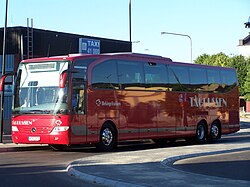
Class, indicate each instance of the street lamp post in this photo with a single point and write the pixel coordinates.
(182, 35)
(130, 37)
(3, 71)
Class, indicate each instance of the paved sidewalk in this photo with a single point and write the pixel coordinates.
(155, 167)
(152, 167)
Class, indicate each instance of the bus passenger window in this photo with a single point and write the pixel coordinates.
(228, 79)
(131, 75)
(178, 78)
(198, 79)
(213, 78)
(104, 76)
(155, 76)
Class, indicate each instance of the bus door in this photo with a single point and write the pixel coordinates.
(78, 106)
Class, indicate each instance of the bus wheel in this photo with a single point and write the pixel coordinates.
(201, 133)
(107, 138)
(214, 132)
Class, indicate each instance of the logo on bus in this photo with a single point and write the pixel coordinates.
(207, 102)
(58, 122)
(99, 102)
(24, 122)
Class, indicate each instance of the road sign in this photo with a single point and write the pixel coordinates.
(89, 46)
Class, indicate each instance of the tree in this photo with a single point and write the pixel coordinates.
(240, 63)
(202, 59)
(219, 59)
(247, 85)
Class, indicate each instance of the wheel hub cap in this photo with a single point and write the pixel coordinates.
(215, 131)
(107, 137)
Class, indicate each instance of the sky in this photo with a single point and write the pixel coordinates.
(213, 25)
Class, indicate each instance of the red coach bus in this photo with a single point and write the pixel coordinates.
(104, 99)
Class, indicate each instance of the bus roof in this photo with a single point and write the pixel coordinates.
(126, 54)
(75, 56)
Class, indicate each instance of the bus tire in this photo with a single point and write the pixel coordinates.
(201, 133)
(215, 132)
(108, 138)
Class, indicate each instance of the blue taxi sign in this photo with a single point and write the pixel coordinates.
(89, 46)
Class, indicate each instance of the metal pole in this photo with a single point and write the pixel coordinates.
(191, 50)
(3, 71)
(21, 46)
(130, 37)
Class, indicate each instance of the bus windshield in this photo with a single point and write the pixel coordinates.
(37, 89)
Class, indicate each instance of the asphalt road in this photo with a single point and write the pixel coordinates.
(40, 168)
(233, 165)
(46, 167)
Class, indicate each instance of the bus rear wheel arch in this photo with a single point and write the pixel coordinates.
(108, 137)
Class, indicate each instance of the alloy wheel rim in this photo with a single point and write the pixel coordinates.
(214, 131)
(107, 137)
(201, 132)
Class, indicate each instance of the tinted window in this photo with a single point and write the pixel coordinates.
(104, 75)
(131, 74)
(81, 66)
(213, 77)
(79, 76)
(228, 79)
(178, 78)
(155, 76)
(198, 79)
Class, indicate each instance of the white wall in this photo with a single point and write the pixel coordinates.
(244, 50)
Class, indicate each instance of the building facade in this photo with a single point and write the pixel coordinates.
(244, 46)
(27, 42)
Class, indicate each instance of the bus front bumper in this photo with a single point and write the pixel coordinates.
(21, 138)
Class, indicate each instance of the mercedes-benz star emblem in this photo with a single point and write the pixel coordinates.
(33, 129)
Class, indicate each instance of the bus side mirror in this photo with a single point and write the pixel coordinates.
(62, 79)
(2, 80)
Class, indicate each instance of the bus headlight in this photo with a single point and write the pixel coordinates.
(14, 129)
(58, 129)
